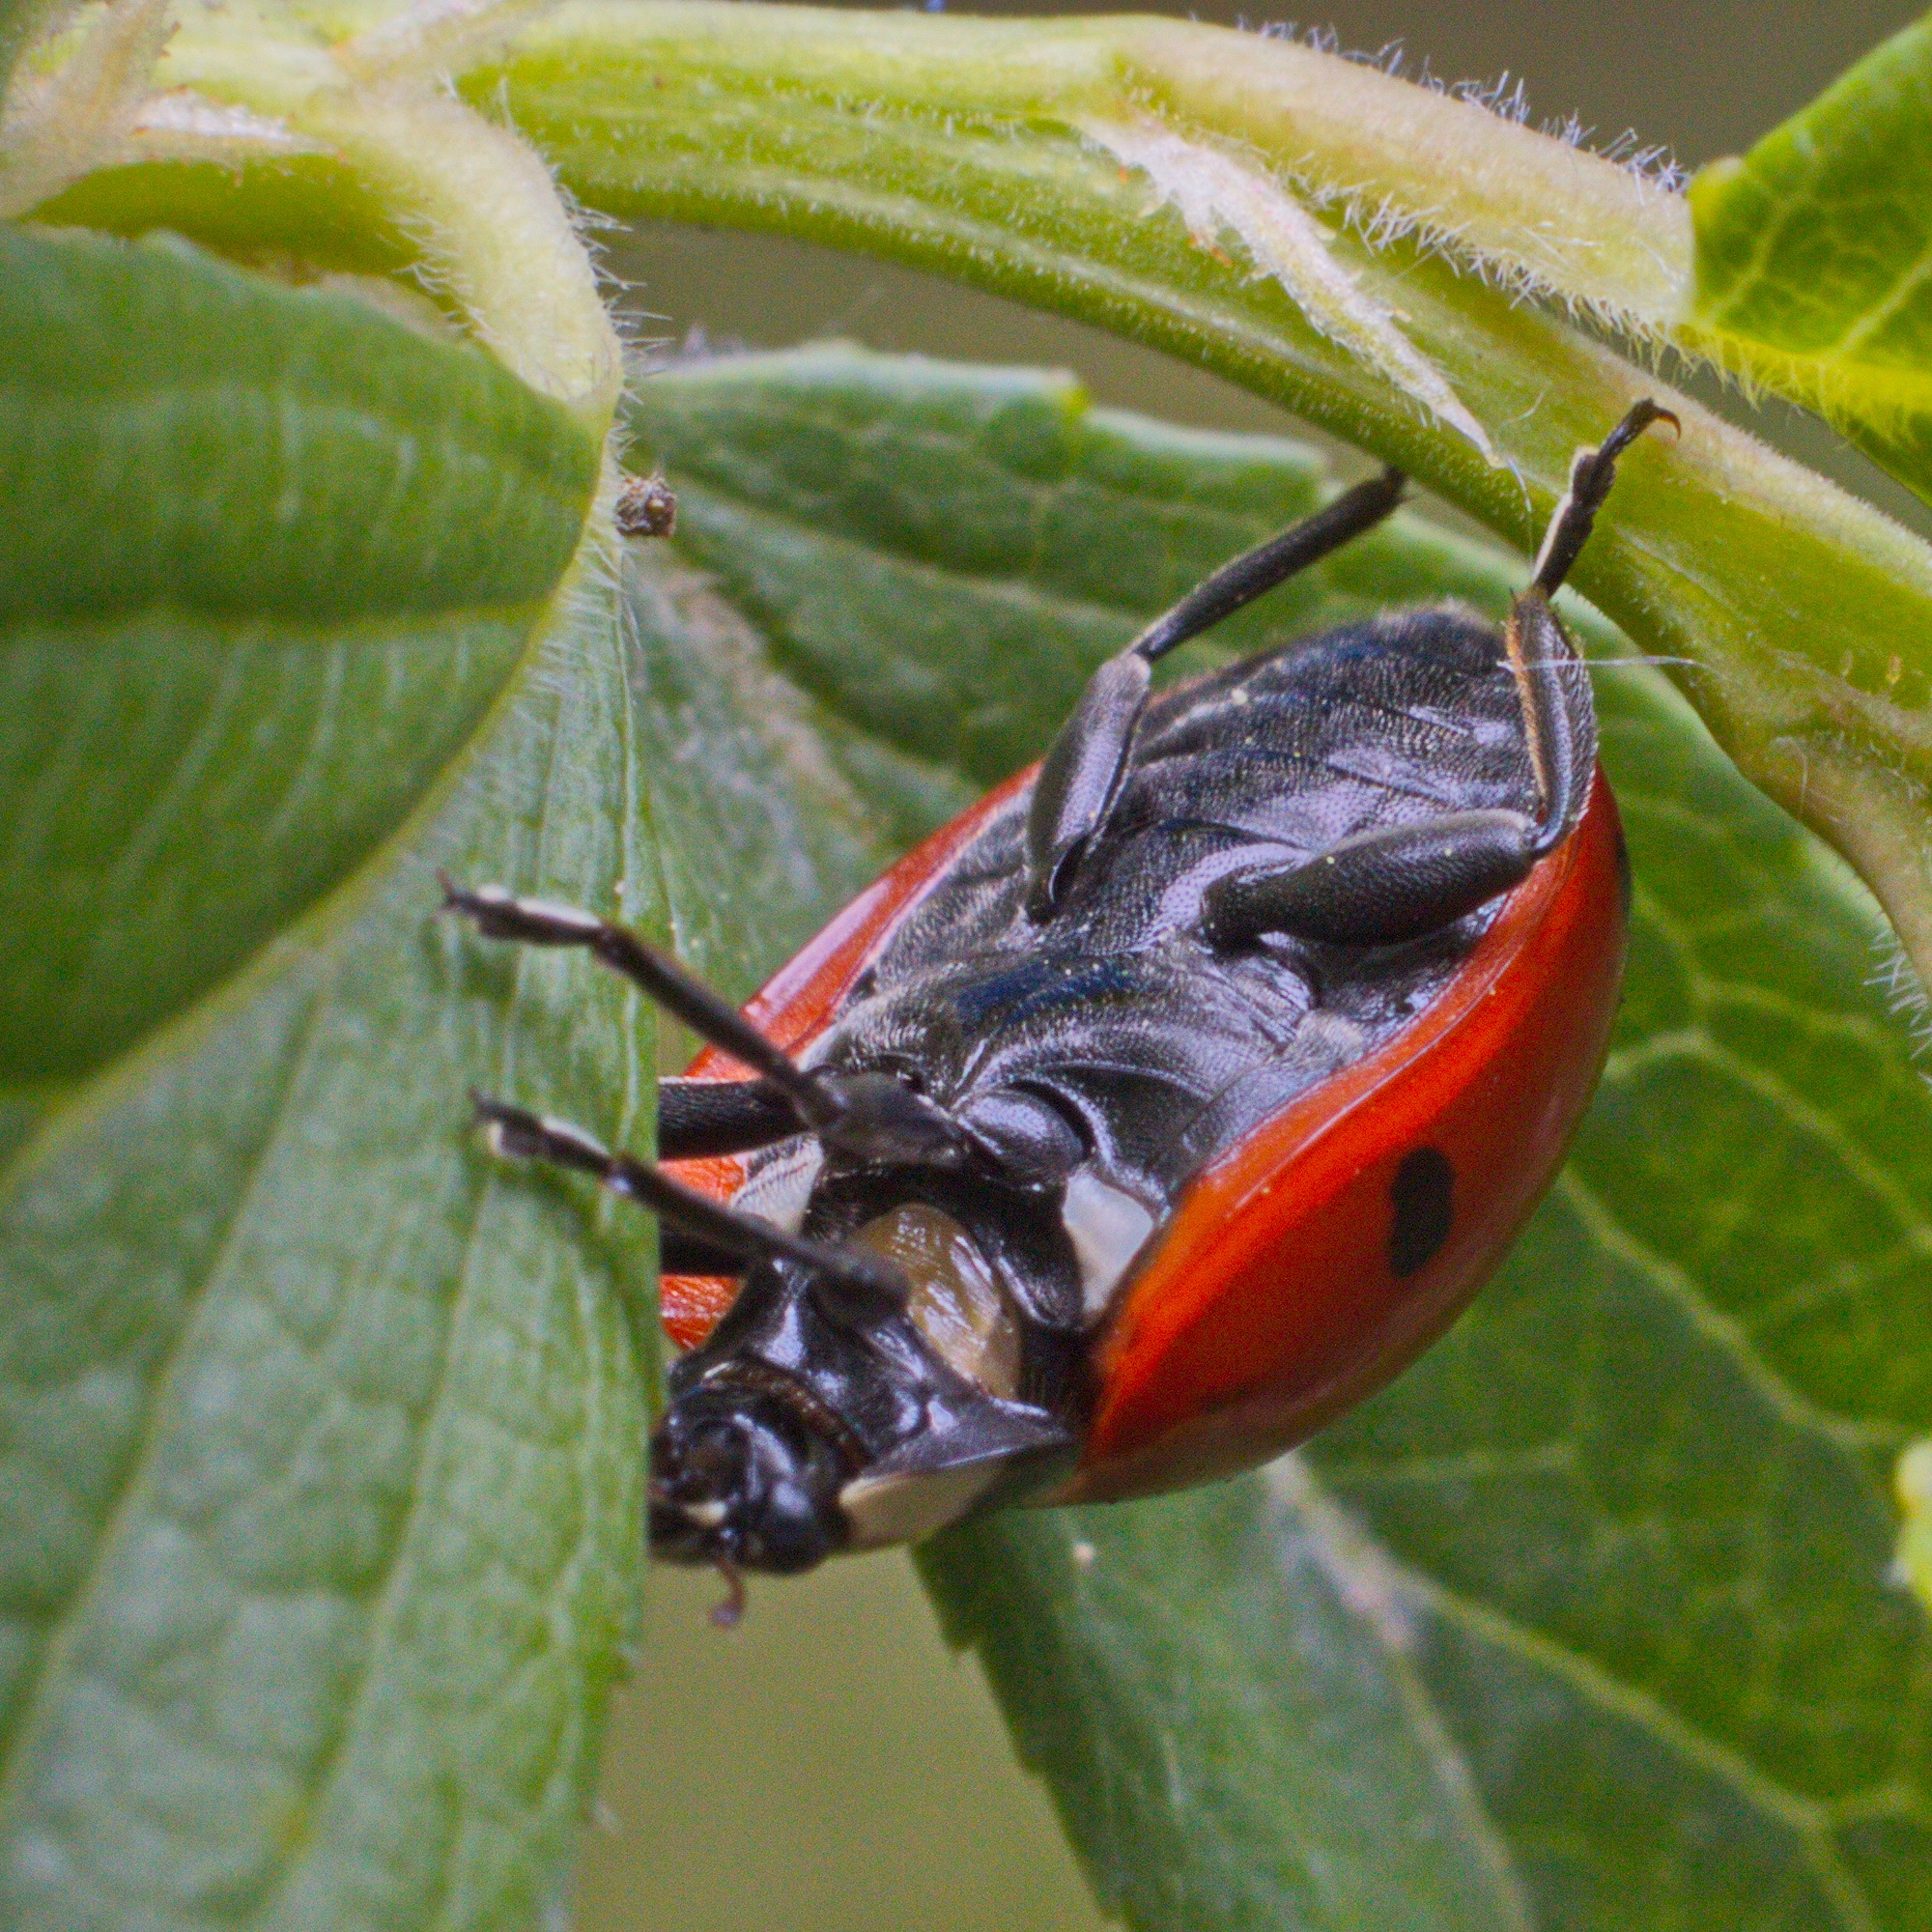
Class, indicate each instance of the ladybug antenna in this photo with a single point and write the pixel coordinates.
(865, 1283)
(869, 1116)
(1591, 474)
(729, 1614)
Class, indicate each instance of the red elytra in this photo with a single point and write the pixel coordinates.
(1268, 1303)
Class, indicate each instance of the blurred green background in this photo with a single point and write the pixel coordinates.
(829, 1767)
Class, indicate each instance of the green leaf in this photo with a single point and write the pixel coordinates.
(319, 1480)
(1587, 1620)
(1812, 252)
(269, 558)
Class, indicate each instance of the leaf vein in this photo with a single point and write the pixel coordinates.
(1785, 1401)
(384, 1605)
(1809, 1820)
(15, 1751)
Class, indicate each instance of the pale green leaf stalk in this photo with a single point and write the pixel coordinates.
(494, 239)
(23, 23)
(56, 127)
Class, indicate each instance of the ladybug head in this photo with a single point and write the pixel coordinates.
(739, 1479)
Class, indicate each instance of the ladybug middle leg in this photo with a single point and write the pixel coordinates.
(860, 1283)
(1085, 766)
(1397, 883)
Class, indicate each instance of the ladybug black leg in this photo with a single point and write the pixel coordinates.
(1084, 768)
(679, 1253)
(697, 1118)
(498, 914)
(1559, 712)
(1378, 887)
(870, 1116)
(1559, 716)
(1385, 887)
(517, 1134)
(1591, 474)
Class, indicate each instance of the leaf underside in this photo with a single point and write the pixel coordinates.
(1583, 1623)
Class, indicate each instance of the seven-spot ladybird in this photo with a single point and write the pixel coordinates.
(1166, 1103)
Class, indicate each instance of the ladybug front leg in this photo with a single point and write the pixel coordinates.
(858, 1282)
(696, 1118)
(499, 914)
(868, 1117)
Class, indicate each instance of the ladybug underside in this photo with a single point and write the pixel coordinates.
(1204, 906)
(1106, 1056)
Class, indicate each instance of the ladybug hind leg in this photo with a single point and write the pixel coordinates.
(1397, 883)
(1087, 762)
(1592, 472)
(1400, 882)
(1379, 887)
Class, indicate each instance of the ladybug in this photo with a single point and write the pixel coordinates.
(1159, 1108)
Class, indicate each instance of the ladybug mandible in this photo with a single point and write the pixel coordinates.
(1165, 1104)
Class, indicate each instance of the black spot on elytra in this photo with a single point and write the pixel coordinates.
(1419, 1194)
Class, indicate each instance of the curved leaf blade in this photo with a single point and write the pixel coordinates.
(320, 1485)
(244, 516)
